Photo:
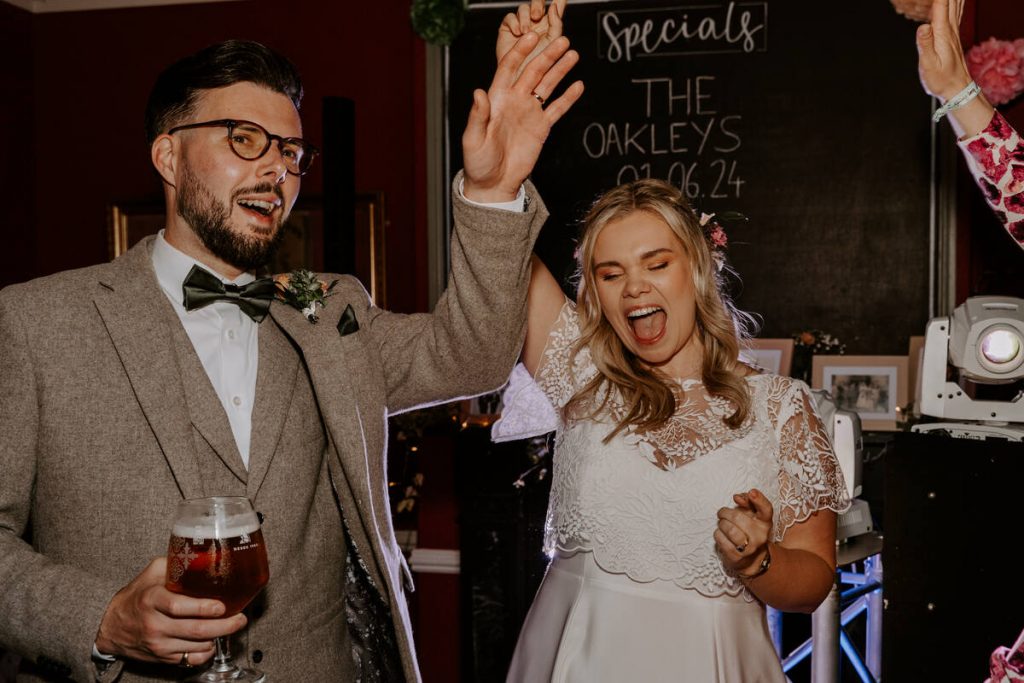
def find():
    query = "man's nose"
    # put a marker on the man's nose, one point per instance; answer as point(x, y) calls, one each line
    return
point(272, 164)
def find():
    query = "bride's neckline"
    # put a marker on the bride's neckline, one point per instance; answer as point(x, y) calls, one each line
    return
point(696, 382)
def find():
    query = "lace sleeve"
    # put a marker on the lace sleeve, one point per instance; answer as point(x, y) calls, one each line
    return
point(809, 475)
point(996, 158)
point(561, 374)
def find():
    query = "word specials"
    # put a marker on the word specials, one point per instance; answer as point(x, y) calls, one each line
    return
point(671, 31)
point(683, 139)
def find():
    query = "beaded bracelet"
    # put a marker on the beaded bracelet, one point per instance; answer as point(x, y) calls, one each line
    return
point(956, 101)
point(766, 562)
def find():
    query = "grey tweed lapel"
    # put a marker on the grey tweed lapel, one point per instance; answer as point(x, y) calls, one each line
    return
point(138, 318)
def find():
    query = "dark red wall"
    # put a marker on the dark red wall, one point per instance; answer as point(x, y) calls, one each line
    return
point(92, 72)
point(17, 159)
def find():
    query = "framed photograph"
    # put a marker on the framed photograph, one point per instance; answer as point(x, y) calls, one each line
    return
point(770, 355)
point(301, 247)
point(875, 387)
point(482, 410)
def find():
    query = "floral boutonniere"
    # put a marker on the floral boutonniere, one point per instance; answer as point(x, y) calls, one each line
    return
point(303, 290)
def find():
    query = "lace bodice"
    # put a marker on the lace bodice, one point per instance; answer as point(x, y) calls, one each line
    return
point(646, 503)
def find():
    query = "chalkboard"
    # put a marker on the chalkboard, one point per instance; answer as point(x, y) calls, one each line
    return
point(804, 116)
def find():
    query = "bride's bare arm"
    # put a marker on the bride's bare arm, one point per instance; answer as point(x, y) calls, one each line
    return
point(543, 306)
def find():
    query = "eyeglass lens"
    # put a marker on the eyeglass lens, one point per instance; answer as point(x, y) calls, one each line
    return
point(250, 141)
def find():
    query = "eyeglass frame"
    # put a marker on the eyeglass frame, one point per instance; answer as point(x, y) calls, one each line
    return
point(230, 124)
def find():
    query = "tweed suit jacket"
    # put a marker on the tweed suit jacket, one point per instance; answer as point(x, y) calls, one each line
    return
point(108, 420)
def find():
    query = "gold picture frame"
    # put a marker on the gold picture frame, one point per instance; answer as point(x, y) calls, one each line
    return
point(129, 222)
point(371, 229)
point(769, 355)
point(301, 247)
point(875, 387)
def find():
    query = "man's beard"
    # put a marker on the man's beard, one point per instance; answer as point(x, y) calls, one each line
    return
point(209, 219)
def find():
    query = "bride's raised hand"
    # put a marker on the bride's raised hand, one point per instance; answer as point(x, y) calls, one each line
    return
point(529, 17)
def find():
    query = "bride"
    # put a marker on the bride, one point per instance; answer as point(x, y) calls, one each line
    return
point(688, 491)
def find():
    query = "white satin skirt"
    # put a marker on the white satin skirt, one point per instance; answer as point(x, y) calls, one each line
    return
point(587, 625)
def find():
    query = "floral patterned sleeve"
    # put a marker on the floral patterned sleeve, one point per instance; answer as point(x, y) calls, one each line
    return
point(810, 478)
point(996, 158)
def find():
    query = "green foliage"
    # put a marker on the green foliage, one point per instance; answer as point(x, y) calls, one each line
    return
point(438, 21)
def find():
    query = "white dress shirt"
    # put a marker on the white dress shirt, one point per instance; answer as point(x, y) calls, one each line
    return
point(225, 339)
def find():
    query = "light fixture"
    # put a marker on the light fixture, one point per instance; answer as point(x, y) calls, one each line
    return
point(973, 370)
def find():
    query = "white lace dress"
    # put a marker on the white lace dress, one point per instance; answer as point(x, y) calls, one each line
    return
point(636, 590)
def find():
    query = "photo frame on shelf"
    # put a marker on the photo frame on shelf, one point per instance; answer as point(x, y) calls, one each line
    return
point(482, 411)
point(770, 355)
point(875, 387)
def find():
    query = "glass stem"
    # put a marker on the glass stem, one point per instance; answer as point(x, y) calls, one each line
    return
point(222, 660)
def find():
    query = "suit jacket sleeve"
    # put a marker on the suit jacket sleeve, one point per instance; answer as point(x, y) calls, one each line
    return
point(472, 339)
point(49, 613)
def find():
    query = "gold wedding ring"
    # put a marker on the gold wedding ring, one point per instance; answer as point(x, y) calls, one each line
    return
point(539, 98)
point(184, 660)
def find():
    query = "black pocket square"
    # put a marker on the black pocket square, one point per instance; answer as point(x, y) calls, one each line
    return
point(348, 323)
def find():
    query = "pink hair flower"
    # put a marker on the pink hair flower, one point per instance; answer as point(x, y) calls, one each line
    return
point(718, 236)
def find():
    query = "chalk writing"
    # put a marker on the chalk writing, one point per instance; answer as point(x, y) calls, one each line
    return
point(679, 135)
point(662, 32)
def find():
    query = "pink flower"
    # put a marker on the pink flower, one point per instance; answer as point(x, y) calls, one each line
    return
point(718, 236)
point(998, 67)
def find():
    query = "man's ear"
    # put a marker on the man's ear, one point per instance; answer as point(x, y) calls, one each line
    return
point(164, 152)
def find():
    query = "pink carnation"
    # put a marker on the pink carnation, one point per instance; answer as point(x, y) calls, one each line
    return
point(998, 67)
point(718, 236)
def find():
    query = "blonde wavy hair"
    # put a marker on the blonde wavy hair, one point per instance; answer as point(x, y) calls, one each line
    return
point(647, 393)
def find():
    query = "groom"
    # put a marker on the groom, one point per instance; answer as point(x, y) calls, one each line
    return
point(168, 374)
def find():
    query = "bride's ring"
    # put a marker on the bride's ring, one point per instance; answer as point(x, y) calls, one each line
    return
point(184, 661)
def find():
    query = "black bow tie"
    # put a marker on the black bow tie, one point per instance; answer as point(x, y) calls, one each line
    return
point(202, 288)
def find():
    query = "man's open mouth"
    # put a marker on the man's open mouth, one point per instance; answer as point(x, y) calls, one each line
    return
point(262, 207)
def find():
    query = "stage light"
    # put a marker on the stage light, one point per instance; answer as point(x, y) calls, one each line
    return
point(982, 343)
point(985, 339)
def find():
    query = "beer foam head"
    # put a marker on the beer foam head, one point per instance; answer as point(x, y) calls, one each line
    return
point(214, 527)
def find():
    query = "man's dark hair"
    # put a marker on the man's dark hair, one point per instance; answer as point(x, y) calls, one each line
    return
point(174, 95)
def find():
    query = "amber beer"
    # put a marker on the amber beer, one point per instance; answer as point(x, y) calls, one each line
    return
point(232, 568)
